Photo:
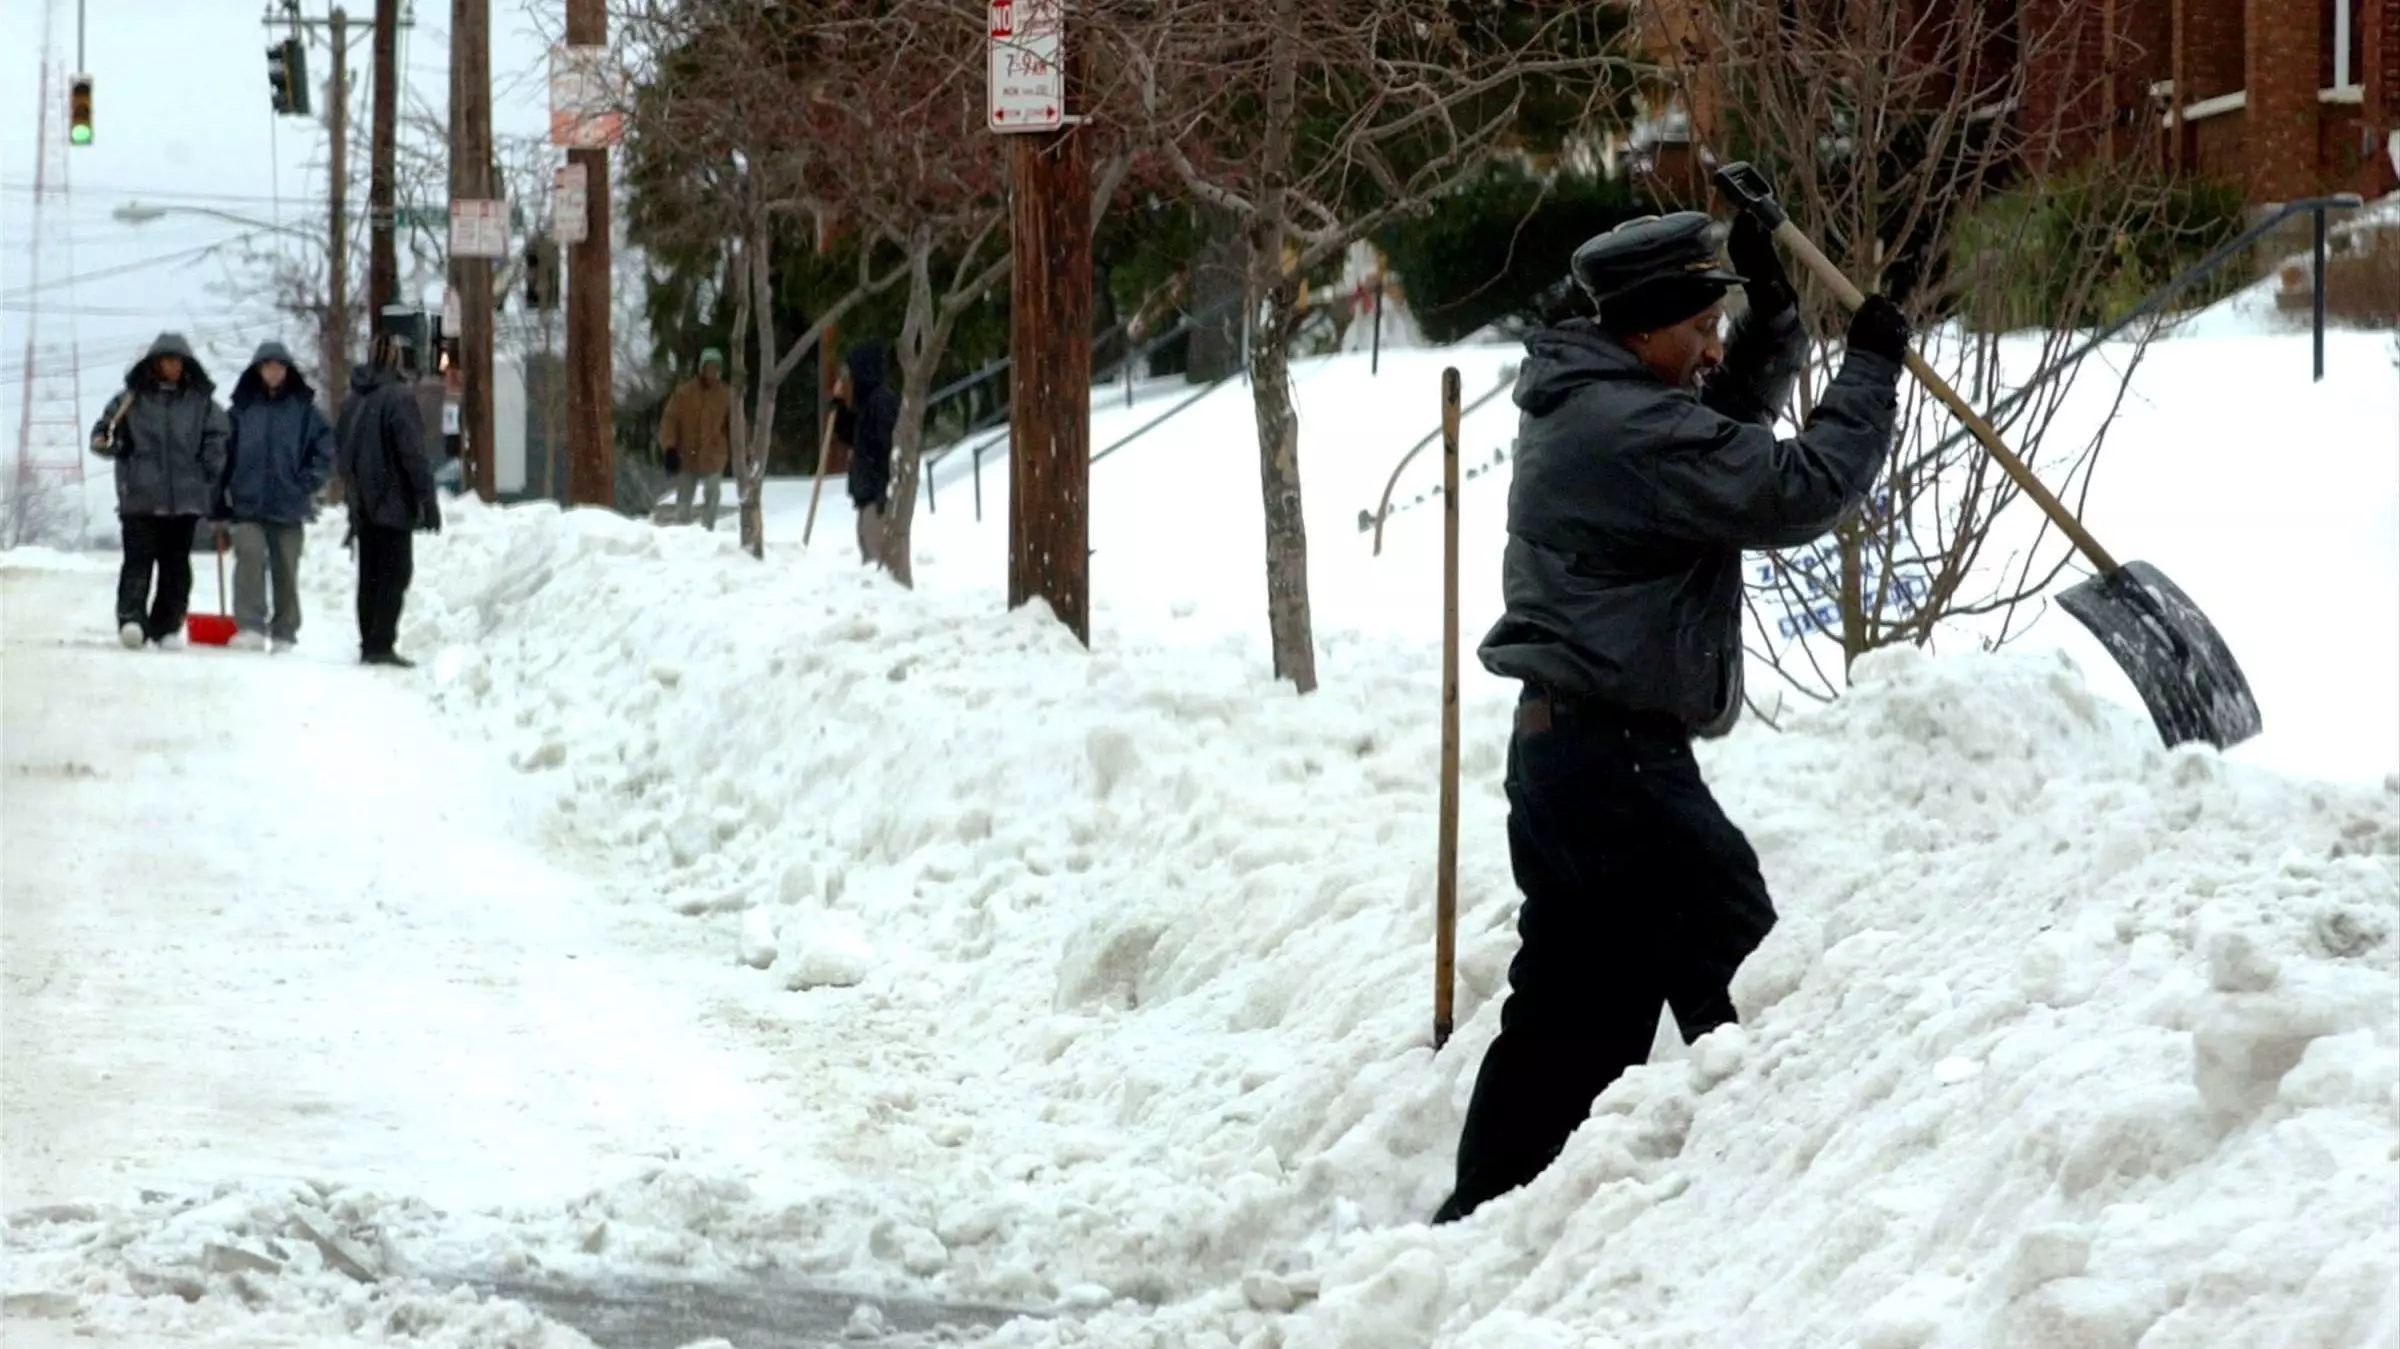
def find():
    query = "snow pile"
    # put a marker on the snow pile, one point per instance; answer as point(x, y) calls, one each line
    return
point(310, 1262)
point(1105, 981)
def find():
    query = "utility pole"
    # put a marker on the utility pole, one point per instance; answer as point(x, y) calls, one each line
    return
point(591, 432)
point(1050, 316)
point(337, 247)
point(471, 180)
point(383, 262)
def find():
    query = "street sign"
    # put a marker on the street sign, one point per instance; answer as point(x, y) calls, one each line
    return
point(479, 229)
point(570, 207)
point(1028, 65)
point(583, 106)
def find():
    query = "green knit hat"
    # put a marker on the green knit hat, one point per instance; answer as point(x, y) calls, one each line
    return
point(708, 354)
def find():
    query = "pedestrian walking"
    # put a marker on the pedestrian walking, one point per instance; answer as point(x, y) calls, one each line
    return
point(696, 434)
point(866, 411)
point(389, 490)
point(165, 437)
point(1646, 463)
point(279, 456)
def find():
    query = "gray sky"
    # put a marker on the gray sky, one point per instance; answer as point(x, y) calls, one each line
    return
point(182, 118)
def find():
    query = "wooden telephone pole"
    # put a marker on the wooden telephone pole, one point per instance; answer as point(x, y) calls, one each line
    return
point(471, 181)
point(591, 434)
point(1050, 315)
point(337, 248)
point(383, 261)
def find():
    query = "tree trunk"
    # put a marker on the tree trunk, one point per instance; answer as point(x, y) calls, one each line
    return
point(1288, 624)
point(908, 443)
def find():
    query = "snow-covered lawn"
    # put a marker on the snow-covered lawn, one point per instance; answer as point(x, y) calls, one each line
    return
point(957, 959)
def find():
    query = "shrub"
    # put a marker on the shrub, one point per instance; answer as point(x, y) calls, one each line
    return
point(2023, 259)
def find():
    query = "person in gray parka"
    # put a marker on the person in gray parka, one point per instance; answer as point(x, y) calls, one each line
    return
point(166, 437)
point(1646, 462)
point(278, 458)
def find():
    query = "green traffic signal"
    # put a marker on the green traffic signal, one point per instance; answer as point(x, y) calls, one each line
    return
point(79, 111)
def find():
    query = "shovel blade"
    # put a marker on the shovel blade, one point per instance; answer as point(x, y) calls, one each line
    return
point(2184, 671)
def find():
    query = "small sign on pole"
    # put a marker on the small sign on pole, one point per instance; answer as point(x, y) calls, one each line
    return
point(478, 229)
point(583, 104)
point(1028, 65)
point(570, 208)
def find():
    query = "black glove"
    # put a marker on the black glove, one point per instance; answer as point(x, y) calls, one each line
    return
point(1880, 327)
point(429, 517)
point(1751, 250)
point(674, 462)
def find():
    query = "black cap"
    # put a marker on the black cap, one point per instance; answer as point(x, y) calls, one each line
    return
point(1682, 246)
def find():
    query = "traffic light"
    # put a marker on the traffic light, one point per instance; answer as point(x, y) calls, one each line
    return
point(79, 111)
point(287, 75)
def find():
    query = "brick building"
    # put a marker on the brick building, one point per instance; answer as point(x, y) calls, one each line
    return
point(2287, 97)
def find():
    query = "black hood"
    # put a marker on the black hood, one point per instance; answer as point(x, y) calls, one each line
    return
point(169, 344)
point(250, 388)
point(865, 363)
point(1561, 360)
point(368, 378)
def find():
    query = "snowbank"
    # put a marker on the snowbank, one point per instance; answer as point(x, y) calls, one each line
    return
point(1108, 977)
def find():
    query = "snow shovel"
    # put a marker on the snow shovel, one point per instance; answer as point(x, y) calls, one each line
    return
point(215, 629)
point(2177, 661)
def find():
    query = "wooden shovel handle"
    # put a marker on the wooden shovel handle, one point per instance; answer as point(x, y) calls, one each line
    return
point(1851, 297)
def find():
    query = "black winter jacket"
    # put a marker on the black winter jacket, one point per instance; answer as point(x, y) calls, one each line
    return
point(381, 451)
point(168, 442)
point(866, 425)
point(1633, 501)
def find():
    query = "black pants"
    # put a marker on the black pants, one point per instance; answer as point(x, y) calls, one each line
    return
point(160, 544)
point(386, 564)
point(1637, 892)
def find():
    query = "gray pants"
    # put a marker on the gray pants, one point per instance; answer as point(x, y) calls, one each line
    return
point(262, 552)
point(870, 533)
point(710, 484)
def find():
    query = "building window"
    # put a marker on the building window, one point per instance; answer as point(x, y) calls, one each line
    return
point(2338, 43)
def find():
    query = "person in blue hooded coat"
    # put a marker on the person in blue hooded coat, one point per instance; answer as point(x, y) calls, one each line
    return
point(278, 458)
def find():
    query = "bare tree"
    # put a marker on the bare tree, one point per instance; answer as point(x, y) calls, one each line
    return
point(929, 182)
point(738, 148)
point(1312, 124)
point(1916, 142)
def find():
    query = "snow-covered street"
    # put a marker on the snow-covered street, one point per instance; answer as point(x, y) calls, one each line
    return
point(266, 922)
point(761, 927)
point(264, 917)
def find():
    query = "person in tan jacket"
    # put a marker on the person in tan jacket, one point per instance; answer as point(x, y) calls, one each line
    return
point(696, 434)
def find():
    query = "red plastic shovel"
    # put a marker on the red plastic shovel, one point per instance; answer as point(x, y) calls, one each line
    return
point(218, 628)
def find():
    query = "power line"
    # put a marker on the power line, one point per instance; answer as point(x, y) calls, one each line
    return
point(163, 259)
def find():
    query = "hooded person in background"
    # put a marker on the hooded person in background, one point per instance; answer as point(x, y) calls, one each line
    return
point(866, 411)
point(278, 458)
point(166, 437)
point(389, 491)
point(1646, 463)
point(696, 434)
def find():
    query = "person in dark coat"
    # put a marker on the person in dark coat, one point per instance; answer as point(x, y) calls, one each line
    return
point(866, 411)
point(1646, 463)
point(278, 458)
point(166, 436)
point(389, 490)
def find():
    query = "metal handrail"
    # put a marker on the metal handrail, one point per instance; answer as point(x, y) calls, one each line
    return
point(1383, 508)
point(2216, 257)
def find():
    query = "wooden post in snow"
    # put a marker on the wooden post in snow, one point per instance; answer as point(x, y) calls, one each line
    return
point(1445, 936)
